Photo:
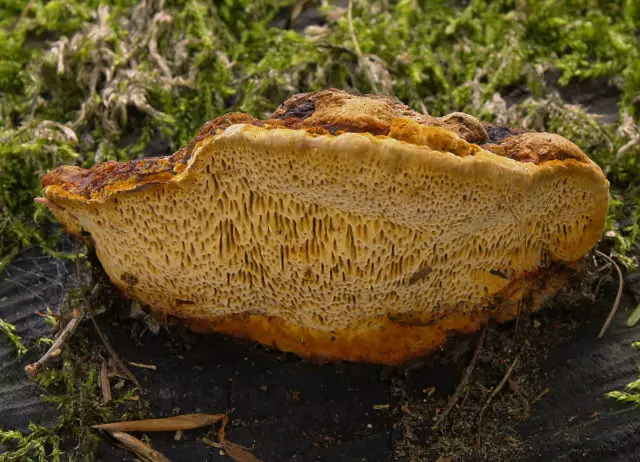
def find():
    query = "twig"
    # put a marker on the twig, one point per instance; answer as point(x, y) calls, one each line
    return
point(114, 356)
point(65, 334)
point(134, 444)
point(352, 30)
point(495, 391)
point(144, 366)
point(105, 386)
point(614, 308)
point(539, 396)
point(463, 382)
point(169, 424)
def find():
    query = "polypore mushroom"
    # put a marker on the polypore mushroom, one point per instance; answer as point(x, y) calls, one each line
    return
point(344, 227)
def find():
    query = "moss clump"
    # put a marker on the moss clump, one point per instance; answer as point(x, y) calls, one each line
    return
point(41, 445)
point(10, 331)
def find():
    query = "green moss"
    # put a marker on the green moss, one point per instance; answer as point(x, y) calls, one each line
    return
point(41, 445)
point(92, 68)
point(10, 331)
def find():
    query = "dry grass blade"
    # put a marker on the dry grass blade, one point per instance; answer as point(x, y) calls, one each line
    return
point(465, 379)
point(616, 303)
point(67, 332)
point(181, 422)
point(104, 382)
point(135, 445)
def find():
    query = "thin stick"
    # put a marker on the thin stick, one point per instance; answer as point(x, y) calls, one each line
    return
point(539, 396)
point(495, 391)
point(614, 308)
point(135, 445)
point(352, 30)
point(65, 334)
point(463, 382)
point(114, 356)
point(169, 424)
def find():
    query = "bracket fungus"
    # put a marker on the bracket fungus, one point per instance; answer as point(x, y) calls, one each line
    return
point(343, 227)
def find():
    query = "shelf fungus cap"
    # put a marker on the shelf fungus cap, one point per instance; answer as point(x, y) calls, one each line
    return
point(344, 227)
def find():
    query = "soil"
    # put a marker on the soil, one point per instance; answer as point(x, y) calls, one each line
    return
point(290, 409)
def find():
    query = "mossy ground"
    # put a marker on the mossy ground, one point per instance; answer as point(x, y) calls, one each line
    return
point(87, 81)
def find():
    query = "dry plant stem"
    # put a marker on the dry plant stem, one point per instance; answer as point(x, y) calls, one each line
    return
point(135, 445)
point(495, 391)
point(616, 303)
point(104, 382)
point(67, 332)
point(181, 422)
point(539, 396)
point(465, 379)
point(114, 356)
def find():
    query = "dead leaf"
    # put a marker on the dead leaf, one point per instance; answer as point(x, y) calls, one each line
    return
point(104, 382)
point(237, 453)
